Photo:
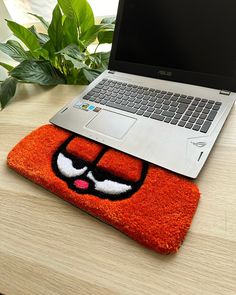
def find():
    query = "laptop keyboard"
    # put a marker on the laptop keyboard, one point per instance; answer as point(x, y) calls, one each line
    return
point(173, 108)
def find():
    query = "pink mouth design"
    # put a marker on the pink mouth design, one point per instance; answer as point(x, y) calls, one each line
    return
point(81, 184)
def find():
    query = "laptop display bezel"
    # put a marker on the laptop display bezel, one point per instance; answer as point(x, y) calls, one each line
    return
point(164, 73)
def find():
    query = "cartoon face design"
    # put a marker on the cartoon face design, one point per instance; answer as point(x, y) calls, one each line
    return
point(91, 168)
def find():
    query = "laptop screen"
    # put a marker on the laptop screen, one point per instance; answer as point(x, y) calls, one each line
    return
point(171, 39)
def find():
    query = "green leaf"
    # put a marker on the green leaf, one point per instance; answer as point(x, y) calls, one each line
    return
point(42, 38)
point(27, 37)
point(55, 30)
point(6, 66)
point(43, 21)
point(90, 35)
point(67, 8)
point(79, 9)
point(100, 60)
point(7, 91)
point(105, 36)
point(70, 32)
point(73, 51)
point(15, 50)
point(108, 20)
point(76, 64)
point(40, 72)
point(87, 75)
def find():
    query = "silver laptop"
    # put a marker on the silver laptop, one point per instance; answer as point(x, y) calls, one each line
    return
point(170, 85)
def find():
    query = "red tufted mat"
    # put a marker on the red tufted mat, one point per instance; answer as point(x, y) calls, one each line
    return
point(149, 204)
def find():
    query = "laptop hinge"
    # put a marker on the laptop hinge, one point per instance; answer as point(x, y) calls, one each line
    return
point(111, 72)
point(225, 92)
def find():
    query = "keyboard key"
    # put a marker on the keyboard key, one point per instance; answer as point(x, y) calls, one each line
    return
point(167, 120)
point(157, 117)
point(192, 108)
point(151, 109)
point(192, 120)
point(168, 114)
point(195, 103)
point(131, 99)
point(185, 118)
point(160, 100)
point(216, 107)
point(151, 104)
point(181, 123)
point(121, 107)
point(199, 109)
point(199, 121)
point(131, 104)
point(172, 109)
point(174, 98)
point(147, 114)
point(158, 111)
point(188, 113)
point(178, 116)
point(218, 103)
point(160, 95)
point(153, 99)
point(86, 97)
point(211, 115)
point(104, 101)
point(196, 127)
point(206, 111)
point(165, 108)
point(166, 102)
point(140, 112)
point(157, 105)
point(208, 106)
point(182, 108)
point(184, 100)
point(195, 114)
point(174, 121)
point(174, 104)
point(189, 125)
point(205, 126)
point(144, 108)
point(203, 116)
point(167, 97)
point(202, 104)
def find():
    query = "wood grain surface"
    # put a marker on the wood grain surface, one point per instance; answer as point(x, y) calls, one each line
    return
point(49, 247)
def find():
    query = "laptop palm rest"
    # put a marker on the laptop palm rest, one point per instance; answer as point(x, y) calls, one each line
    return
point(111, 124)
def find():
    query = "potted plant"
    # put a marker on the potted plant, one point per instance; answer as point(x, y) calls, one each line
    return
point(60, 55)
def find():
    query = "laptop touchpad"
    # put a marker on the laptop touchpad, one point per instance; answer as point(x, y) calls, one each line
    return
point(111, 124)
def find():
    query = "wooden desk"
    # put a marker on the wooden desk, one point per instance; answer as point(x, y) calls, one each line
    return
point(49, 247)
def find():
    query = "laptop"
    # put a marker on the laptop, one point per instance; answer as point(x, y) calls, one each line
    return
point(169, 87)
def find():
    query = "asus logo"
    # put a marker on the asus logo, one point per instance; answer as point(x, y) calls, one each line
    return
point(165, 73)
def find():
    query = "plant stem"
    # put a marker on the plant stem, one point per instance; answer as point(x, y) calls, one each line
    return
point(96, 48)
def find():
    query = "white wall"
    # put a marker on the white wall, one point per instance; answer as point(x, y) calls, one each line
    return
point(19, 8)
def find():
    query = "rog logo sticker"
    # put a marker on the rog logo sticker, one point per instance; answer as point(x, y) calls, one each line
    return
point(86, 177)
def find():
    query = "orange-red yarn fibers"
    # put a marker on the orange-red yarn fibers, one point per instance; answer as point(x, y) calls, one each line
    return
point(157, 214)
